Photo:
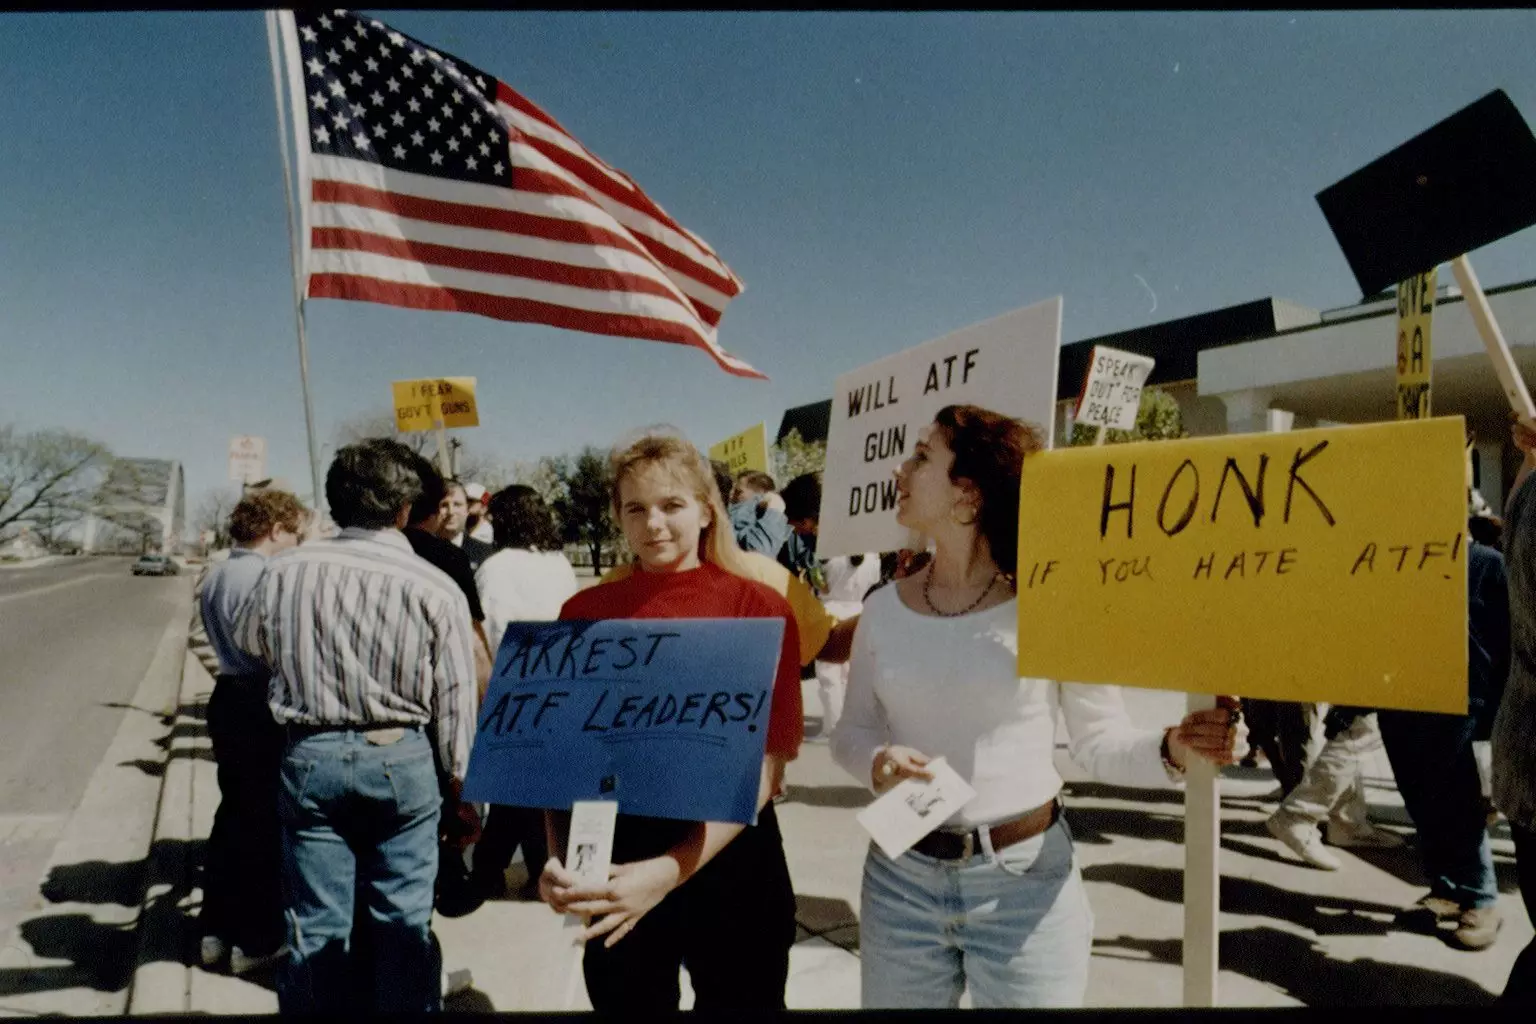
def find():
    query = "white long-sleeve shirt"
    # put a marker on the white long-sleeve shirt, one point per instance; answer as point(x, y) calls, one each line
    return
point(949, 687)
point(518, 585)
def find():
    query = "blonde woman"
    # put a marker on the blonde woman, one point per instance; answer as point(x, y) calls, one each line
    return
point(712, 896)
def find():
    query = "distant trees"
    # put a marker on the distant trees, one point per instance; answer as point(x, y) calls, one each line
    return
point(794, 456)
point(1157, 419)
point(48, 479)
point(584, 507)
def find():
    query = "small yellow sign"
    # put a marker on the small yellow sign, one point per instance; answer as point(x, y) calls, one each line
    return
point(1415, 311)
point(744, 451)
point(1312, 565)
point(420, 403)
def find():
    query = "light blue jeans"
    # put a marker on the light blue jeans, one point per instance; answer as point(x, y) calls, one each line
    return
point(359, 818)
point(1015, 927)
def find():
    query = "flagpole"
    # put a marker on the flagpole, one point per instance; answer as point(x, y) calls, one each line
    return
point(296, 252)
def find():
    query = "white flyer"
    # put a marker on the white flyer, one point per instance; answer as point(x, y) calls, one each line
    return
point(914, 808)
point(589, 853)
point(589, 850)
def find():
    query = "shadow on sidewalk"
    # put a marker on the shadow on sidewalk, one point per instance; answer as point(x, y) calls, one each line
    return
point(1320, 914)
point(847, 797)
point(1302, 970)
point(829, 918)
point(104, 956)
point(188, 722)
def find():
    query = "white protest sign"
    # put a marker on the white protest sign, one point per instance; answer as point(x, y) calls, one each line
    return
point(247, 459)
point(1111, 392)
point(1007, 364)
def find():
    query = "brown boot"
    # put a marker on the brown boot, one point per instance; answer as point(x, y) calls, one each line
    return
point(1477, 928)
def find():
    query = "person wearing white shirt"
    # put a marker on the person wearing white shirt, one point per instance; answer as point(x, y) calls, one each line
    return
point(526, 580)
point(849, 578)
point(992, 900)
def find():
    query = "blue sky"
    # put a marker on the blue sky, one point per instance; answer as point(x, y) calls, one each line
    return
point(877, 179)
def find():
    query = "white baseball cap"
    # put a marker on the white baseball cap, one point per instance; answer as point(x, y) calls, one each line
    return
point(474, 492)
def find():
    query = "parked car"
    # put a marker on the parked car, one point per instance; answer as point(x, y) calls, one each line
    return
point(155, 565)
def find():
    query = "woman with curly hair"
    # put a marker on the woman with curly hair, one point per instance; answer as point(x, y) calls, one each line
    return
point(991, 900)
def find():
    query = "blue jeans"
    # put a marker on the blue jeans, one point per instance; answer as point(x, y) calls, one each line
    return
point(1436, 773)
point(1015, 927)
point(358, 817)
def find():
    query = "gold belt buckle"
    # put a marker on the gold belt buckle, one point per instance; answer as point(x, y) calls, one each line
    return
point(385, 737)
point(968, 845)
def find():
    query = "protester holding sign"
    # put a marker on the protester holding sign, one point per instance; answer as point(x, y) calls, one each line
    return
point(934, 675)
point(712, 896)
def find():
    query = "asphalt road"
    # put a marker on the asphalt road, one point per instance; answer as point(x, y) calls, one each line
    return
point(76, 637)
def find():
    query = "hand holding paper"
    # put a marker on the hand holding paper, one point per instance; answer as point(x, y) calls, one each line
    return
point(915, 807)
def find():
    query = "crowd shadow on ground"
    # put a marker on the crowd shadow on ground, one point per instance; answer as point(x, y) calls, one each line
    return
point(1304, 971)
point(189, 721)
point(103, 956)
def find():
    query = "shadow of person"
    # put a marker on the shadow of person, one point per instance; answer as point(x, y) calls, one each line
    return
point(1321, 914)
point(822, 914)
point(1303, 970)
point(848, 797)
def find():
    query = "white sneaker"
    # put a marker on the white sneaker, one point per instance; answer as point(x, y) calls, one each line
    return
point(239, 963)
point(1302, 839)
point(213, 950)
point(1344, 833)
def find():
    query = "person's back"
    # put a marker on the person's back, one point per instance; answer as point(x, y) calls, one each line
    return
point(374, 681)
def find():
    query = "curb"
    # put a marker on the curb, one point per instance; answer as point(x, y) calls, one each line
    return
point(161, 981)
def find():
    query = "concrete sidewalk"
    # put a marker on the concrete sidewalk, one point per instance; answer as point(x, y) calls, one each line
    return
point(1291, 935)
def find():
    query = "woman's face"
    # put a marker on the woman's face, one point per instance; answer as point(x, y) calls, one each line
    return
point(925, 495)
point(661, 518)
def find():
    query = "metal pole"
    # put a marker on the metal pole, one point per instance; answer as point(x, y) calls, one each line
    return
point(298, 262)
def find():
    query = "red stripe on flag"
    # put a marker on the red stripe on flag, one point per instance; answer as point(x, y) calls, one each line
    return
point(413, 296)
point(433, 254)
point(542, 181)
point(466, 215)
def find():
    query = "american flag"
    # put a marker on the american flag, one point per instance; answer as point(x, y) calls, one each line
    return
point(435, 186)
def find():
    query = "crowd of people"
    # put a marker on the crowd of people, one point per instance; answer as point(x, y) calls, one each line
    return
point(350, 671)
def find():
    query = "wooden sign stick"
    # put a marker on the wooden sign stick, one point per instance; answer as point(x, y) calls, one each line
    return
point(1498, 350)
point(1202, 878)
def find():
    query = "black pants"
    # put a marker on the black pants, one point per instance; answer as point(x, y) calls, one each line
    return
point(242, 892)
point(506, 829)
point(1520, 990)
point(731, 925)
point(1279, 728)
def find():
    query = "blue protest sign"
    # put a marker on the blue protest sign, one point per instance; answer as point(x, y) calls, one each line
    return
point(667, 716)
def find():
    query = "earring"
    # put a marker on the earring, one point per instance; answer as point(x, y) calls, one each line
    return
point(963, 522)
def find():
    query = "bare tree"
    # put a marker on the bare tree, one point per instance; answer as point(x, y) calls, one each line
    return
point(47, 476)
point(468, 463)
point(213, 514)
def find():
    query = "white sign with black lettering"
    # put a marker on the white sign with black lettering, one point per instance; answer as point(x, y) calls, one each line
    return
point(1111, 392)
point(1007, 364)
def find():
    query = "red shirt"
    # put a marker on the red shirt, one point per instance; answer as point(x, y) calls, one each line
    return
point(709, 592)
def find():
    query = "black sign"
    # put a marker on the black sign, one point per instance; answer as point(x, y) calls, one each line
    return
point(1468, 181)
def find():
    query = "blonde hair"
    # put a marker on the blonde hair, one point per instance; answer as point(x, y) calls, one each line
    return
point(669, 449)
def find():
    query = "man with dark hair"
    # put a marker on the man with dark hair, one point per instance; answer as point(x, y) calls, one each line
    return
point(242, 899)
point(371, 647)
point(802, 509)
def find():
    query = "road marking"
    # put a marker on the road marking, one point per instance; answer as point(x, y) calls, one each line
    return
point(57, 586)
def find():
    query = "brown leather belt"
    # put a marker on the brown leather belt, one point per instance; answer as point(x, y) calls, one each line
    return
point(963, 846)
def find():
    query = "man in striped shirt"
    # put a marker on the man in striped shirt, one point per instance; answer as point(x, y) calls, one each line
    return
point(373, 668)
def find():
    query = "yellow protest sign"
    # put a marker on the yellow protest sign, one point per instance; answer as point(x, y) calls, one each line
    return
point(1415, 310)
point(1311, 565)
point(419, 403)
point(744, 451)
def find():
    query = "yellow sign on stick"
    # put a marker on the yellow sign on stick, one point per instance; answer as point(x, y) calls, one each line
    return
point(1415, 311)
point(1311, 565)
point(744, 451)
point(419, 403)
